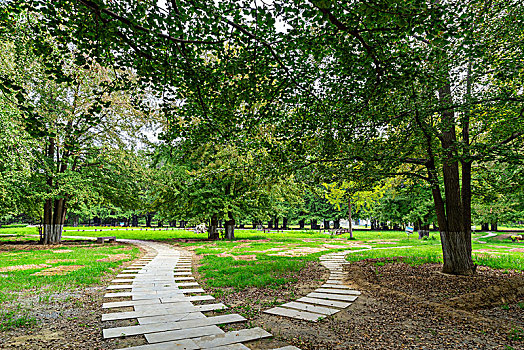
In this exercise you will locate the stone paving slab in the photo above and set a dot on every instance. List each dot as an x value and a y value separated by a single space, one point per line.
335 285
310 308
325 302
170 318
214 341
165 300
180 278
289 347
301 315
338 291
164 327
127 303
333 296
150 310
196 332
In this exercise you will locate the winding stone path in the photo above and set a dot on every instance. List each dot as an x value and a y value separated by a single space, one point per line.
161 290
330 298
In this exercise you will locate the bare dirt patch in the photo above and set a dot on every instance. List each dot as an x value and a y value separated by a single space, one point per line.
58 270
23 267
299 251
114 257
58 261
239 257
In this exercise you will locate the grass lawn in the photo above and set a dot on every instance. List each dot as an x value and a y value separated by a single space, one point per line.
30 272
257 259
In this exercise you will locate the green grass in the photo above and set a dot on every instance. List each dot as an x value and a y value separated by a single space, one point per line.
16 282
16 318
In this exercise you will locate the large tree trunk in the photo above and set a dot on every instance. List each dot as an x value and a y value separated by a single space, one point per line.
275 220
313 224
494 226
54 217
455 236
134 220
230 227
284 223
149 217
212 232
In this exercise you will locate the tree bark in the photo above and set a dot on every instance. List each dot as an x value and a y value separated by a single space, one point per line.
349 219
212 232
270 224
230 226
313 224
54 217
484 226
455 238
134 220
284 223
494 226
149 217
302 224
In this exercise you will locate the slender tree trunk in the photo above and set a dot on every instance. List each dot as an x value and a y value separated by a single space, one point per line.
75 221
349 219
149 217
230 226
313 224
275 220
326 224
270 224
54 217
484 227
284 223
336 224
302 224
212 232
494 226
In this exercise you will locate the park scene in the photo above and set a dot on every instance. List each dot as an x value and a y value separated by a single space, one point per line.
261 174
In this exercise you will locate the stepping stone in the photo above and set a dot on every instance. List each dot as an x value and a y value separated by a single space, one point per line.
333 296
183 334
338 291
301 315
310 308
146 312
216 341
166 300
163 332
123 280
289 347
325 302
181 273
171 318
142 295
339 285
178 278
130 303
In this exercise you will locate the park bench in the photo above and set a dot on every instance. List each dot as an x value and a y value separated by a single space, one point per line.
108 239
341 231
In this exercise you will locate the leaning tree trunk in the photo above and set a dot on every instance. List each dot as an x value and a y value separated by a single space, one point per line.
212 232
54 217
230 227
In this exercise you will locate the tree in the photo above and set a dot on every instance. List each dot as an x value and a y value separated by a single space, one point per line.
393 87
74 122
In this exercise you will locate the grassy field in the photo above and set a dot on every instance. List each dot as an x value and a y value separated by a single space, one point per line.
257 259
32 273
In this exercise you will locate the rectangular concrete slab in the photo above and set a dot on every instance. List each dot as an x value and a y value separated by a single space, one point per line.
182 278
183 334
333 296
129 303
334 285
289 347
171 317
150 310
165 300
237 346
325 302
301 315
216 341
338 291
310 308
183 344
